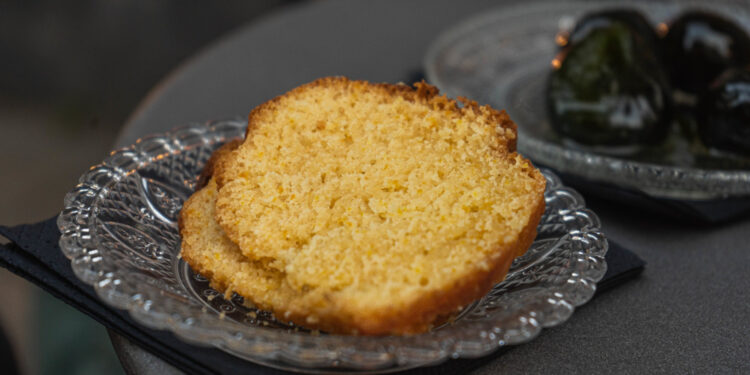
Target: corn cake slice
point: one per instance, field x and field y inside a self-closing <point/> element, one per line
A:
<point x="379" y="207"/>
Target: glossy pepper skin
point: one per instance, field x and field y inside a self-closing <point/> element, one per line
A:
<point x="725" y="113"/>
<point x="609" y="89"/>
<point x="699" y="46"/>
<point x="631" y="18"/>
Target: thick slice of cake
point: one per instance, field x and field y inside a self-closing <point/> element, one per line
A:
<point x="376" y="208"/>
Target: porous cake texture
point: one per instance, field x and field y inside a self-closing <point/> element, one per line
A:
<point x="365" y="208"/>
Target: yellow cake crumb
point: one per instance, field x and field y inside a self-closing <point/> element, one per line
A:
<point x="366" y="208"/>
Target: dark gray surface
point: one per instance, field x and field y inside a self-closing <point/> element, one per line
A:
<point x="689" y="311"/>
<point x="138" y="361"/>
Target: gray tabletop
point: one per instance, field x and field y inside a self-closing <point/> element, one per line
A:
<point x="688" y="312"/>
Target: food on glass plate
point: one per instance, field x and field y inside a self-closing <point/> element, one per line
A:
<point x="622" y="88"/>
<point x="361" y="208"/>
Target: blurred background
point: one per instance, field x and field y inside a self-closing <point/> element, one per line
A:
<point x="70" y="74"/>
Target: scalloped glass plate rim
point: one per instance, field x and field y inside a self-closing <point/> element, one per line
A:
<point x="657" y="180"/>
<point x="155" y="308"/>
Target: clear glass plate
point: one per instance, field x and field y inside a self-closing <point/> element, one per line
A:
<point x="502" y="58"/>
<point x="120" y="233"/>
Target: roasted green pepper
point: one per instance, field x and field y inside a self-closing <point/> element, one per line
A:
<point x="608" y="88"/>
<point x="699" y="46"/>
<point x="725" y="113"/>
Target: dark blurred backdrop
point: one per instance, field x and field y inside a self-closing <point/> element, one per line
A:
<point x="70" y="73"/>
